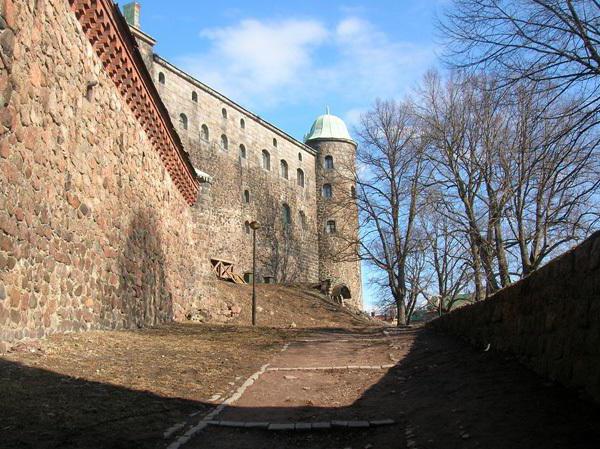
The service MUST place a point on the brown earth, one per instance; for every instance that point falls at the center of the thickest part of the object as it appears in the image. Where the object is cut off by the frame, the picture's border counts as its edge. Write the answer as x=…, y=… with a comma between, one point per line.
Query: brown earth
x=442, y=395
x=282, y=305
x=122, y=389
x=125, y=389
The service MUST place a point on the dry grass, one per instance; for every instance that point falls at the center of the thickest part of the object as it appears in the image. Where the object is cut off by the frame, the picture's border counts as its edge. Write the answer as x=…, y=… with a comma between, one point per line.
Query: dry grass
x=283, y=305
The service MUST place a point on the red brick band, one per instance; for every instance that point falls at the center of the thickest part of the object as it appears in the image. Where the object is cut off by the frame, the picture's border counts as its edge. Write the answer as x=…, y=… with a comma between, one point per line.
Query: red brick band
x=110, y=37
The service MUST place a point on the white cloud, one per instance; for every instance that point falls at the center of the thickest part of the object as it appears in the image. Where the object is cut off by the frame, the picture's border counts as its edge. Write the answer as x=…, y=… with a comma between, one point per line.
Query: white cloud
x=352, y=117
x=266, y=63
x=373, y=64
x=257, y=59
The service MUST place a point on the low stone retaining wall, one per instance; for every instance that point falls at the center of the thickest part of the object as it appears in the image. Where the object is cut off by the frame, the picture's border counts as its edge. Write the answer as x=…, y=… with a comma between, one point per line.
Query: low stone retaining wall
x=550, y=319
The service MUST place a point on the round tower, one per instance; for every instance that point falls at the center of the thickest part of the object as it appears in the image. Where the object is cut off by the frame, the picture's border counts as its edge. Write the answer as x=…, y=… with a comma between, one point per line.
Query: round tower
x=337, y=212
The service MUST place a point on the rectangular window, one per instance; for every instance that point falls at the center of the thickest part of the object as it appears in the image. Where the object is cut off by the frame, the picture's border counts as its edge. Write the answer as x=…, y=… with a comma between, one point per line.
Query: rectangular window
x=330, y=227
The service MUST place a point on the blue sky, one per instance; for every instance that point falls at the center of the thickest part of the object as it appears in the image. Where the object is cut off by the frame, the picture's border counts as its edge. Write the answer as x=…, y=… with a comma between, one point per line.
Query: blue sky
x=287, y=60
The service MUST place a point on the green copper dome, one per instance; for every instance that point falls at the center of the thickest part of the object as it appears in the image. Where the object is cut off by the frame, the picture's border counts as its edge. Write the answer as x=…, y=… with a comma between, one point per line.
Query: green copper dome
x=328, y=126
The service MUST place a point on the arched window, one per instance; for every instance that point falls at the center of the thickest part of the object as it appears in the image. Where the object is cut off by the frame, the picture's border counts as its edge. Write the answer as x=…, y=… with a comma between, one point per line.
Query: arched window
x=247, y=227
x=224, y=112
x=352, y=192
x=242, y=123
x=300, y=177
x=302, y=219
x=224, y=142
x=246, y=196
x=161, y=78
x=300, y=157
x=183, y=121
x=242, y=151
x=328, y=163
x=330, y=227
x=327, y=191
x=266, y=160
x=286, y=214
x=204, y=132
x=194, y=97
x=283, y=169
x=274, y=142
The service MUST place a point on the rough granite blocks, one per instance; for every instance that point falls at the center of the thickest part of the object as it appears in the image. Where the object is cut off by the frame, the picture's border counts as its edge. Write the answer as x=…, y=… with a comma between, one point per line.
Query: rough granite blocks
x=549, y=320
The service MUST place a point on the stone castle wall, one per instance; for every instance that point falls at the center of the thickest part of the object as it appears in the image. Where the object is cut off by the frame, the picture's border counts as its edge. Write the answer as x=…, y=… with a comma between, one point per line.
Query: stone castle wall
x=550, y=319
x=288, y=252
x=93, y=231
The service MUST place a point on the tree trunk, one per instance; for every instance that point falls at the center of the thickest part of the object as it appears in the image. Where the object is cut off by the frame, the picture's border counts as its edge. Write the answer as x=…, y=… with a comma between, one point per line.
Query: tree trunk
x=401, y=312
x=500, y=251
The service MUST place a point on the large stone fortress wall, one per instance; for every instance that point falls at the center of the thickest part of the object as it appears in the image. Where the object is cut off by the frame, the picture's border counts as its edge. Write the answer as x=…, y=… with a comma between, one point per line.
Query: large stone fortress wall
x=94, y=233
x=286, y=251
x=104, y=222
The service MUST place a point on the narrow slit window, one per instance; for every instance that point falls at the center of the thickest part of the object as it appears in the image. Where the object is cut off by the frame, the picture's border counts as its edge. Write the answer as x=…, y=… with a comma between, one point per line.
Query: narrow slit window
x=183, y=121
x=286, y=214
x=204, y=132
x=300, y=177
x=224, y=142
x=283, y=169
x=266, y=160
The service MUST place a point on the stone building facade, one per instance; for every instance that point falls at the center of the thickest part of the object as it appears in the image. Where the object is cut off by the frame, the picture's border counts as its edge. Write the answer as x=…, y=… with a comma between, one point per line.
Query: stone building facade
x=104, y=222
x=230, y=143
x=337, y=214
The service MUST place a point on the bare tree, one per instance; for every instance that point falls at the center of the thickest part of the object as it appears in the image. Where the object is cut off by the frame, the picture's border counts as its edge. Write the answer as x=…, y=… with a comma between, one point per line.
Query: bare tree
x=514, y=173
x=418, y=277
x=455, y=120
x=553, y=171
x=553, y=43
x=447, y=258
x=390, y=170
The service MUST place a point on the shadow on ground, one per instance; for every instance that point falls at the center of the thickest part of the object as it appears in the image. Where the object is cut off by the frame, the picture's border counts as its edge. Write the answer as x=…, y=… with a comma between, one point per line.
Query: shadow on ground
x=446, y=394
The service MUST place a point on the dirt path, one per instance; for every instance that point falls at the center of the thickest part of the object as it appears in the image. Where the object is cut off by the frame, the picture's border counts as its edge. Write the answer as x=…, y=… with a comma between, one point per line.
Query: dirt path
x=148, y=389
x=336, y=390
x=311, y=391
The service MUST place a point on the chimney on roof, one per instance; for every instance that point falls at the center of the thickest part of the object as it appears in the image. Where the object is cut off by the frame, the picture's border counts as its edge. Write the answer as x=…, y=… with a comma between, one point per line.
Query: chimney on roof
x=131, y=11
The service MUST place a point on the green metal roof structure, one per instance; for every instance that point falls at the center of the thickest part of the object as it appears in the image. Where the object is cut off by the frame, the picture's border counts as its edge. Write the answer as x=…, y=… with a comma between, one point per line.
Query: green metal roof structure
x=328, y=126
